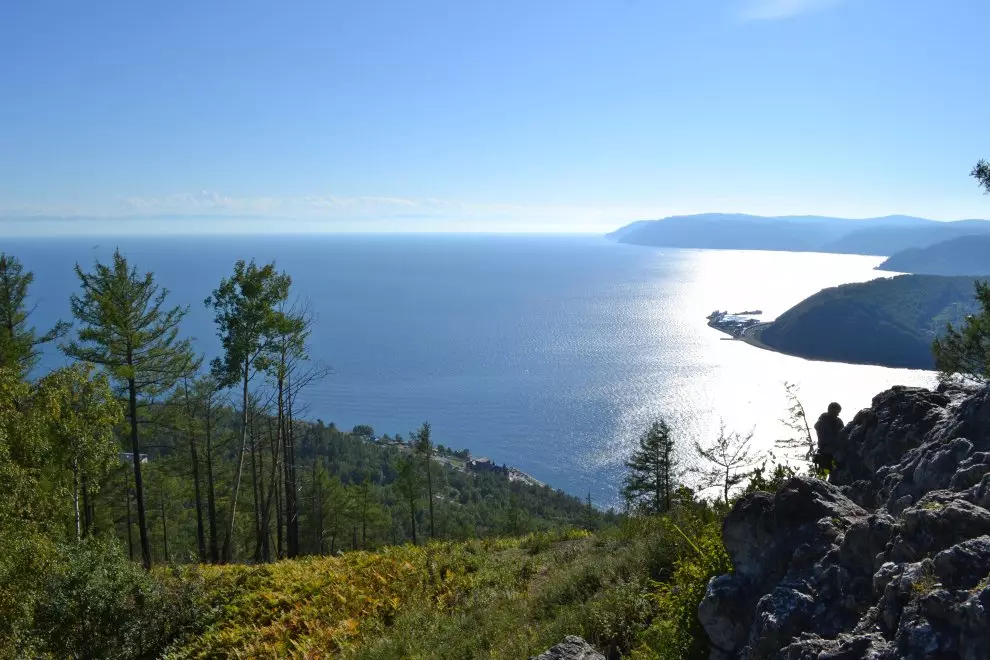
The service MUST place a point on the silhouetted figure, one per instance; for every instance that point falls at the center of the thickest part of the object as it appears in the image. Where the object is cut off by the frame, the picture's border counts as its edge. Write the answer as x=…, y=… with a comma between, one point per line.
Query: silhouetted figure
x=827, y=427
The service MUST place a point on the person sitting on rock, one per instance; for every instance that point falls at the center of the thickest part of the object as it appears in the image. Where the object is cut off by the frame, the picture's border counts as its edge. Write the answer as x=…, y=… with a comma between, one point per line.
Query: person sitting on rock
x=827, y=427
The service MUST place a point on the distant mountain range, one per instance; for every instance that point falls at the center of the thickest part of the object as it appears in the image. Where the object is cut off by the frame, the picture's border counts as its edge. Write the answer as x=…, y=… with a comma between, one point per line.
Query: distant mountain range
x=874, y=236
x=964, y=255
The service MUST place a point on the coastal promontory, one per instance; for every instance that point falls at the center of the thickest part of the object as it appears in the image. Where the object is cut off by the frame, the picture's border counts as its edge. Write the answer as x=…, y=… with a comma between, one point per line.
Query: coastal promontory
x=965, y=255
x=888, y=322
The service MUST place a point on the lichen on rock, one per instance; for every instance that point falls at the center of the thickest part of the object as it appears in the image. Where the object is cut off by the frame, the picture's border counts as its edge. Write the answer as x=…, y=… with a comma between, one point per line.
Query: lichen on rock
x=889, y=559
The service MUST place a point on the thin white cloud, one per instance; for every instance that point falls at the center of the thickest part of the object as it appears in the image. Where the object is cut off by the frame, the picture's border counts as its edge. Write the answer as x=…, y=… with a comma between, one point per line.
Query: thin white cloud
x=179, y=211
x=213, y=203
x=769, y=10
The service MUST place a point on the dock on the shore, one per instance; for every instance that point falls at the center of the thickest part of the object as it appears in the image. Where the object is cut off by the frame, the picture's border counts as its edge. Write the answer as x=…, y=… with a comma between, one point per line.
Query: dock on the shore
x=734, y=325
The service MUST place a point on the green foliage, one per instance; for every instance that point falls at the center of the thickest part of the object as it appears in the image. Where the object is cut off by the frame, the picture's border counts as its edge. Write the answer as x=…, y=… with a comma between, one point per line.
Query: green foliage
x=759, y=481
x=247, y=317
x=84, y=413
x=67, y=589
x=982, y=174
x=125, y=328
x=249, y=324
x=631, y=590
x=676, y=633
x=653, y=470
x=965, y=351
x=96, y=603
x=18, y=342
x=889, y=321
x=65, y=420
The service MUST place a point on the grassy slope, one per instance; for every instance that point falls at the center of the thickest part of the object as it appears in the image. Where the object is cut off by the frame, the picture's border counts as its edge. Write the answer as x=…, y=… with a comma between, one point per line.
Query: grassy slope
x=498, y=598
x=889, y=322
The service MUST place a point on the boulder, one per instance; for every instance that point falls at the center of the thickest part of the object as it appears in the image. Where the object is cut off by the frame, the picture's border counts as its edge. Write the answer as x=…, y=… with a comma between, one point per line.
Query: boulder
x=572, y=648
x=890, y=559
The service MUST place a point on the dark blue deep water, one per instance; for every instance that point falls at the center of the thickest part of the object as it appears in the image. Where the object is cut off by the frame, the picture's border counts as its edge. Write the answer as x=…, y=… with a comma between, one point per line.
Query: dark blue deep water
x=550, y=353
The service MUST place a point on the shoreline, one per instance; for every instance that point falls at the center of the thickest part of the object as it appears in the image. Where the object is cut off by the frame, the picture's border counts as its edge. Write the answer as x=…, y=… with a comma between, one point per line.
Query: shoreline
x=753, y=336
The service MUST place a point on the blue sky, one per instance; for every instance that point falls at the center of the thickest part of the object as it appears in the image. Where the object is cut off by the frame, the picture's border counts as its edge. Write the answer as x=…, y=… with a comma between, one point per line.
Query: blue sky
x=488, y=114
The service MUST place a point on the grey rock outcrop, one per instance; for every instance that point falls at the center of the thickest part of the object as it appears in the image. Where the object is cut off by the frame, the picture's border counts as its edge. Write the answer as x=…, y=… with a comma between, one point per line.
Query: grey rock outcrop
x=890, y=559
x=572, y=648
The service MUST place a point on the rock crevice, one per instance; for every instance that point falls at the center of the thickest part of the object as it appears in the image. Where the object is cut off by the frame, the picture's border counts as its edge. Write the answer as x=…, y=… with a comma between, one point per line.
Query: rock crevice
x=889, y=559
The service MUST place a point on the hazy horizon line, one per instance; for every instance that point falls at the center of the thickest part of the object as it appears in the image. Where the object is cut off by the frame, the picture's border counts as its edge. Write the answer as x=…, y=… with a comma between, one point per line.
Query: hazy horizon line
x=76, y=226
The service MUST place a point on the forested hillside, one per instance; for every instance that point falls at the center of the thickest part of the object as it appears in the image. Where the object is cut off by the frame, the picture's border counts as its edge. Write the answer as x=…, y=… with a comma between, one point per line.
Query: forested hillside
x=889, y=321
x=140, y=452
x=966, y=255
x=354, y=492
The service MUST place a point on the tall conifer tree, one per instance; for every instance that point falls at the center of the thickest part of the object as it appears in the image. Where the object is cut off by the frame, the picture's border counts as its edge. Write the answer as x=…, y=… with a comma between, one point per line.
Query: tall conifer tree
x=18, y=342
x=245, y=305
x=653, y=470
x=126, y=329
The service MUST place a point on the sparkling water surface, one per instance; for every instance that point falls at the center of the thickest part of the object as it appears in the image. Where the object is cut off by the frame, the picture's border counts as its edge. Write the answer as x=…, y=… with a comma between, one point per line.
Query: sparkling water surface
x=549, y=353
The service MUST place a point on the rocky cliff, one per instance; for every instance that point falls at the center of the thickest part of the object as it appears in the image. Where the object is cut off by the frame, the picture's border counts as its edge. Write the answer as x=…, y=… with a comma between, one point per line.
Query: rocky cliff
x=890, y=559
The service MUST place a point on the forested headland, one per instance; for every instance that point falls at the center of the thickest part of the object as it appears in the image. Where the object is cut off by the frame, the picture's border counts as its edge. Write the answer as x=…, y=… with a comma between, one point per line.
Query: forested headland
x=965, y=255
x=889, y=321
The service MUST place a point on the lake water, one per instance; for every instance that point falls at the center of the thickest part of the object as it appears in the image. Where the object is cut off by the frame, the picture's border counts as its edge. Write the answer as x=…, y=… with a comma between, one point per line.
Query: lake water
x=550, y=353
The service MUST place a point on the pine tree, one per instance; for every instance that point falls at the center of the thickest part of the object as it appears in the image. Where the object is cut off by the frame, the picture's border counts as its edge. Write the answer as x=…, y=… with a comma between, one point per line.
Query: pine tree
x=408, y=484
x=982, y=174
x=965, y=352
x=208, y=408
x=192, y=434
x=125, y=329
x=291, y=329
x=18, y=342
x=653, y=470
x=245, y=306
x=424, y=446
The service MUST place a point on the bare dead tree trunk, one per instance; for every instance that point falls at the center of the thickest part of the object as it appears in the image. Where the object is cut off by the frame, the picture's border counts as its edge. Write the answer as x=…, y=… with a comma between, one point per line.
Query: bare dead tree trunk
x=75, y=497
x=138, y=482
x=291, y=506
x=228, y=547
x=258, y=539
x=211, y=500
x=88, y=507
x=194, y=459
x=161, y=502
x=130, y=528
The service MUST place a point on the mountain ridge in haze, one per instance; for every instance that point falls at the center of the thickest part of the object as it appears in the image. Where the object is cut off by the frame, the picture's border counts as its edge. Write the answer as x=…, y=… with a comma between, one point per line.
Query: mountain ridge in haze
x=882, y=236
x=963, y=255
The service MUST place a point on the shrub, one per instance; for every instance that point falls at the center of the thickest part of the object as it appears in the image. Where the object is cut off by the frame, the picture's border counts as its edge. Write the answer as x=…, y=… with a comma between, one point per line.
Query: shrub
x=97, y=603
x=676, y=633
x=758, y=482
x=614, y=619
